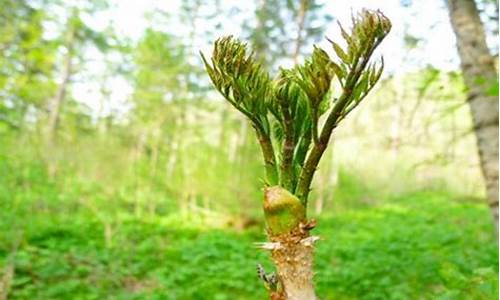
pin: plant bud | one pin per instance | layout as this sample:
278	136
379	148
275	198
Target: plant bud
375	21
283	211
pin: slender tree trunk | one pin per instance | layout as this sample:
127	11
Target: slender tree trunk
301	18
327	181
480	76
102	125
240	155
136	157
320	201
259	43
57	101
395	129
6	280
153	162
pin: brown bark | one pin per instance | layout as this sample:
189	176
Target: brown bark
294	264
480	76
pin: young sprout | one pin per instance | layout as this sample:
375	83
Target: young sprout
294	116
285	112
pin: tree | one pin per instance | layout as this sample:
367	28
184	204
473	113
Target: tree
73	42
285	113
72	24
481	80
282	23
75	37
27	62
159	100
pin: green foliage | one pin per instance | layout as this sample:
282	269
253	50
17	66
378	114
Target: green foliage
39	40
241	80
271	32
413	246
156	197
27	62
314	79
294	102
377	255
159	66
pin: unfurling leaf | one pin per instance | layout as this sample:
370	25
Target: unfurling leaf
340	52
341	73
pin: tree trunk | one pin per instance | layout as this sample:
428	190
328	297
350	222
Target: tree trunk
57	101
301	18
56	104
480	76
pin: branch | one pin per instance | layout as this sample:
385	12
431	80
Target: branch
287	151
368	31
245	86
266	146
284	97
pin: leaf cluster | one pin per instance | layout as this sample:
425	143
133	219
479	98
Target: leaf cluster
240	79
286	111
355	74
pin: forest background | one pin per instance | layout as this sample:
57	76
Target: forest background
124	175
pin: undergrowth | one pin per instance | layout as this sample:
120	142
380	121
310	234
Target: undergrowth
420	245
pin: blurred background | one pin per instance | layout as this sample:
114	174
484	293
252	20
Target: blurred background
124	175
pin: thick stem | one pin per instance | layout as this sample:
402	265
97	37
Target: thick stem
286	168
294	265
290	244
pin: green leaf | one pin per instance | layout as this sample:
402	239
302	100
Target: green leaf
341	73
340	52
